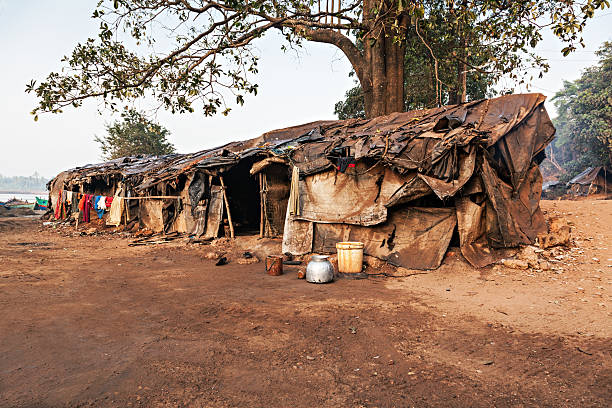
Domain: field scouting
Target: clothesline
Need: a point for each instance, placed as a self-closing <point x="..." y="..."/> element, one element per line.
<point x="146" y="198"/>
<point x="71" y="201"/>
<point x="140" y="198"/>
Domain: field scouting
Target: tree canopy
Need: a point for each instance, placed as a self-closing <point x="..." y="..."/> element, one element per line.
<point x="584" y="123"/>
<point x="442" y="76"/>
<point x="133" y="135"/>
<point x="190" y="53"/>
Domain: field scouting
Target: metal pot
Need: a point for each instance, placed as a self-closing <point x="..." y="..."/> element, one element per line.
<point x="319" y="270"/>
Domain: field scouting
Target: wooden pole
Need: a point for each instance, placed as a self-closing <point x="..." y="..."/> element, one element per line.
<point x="229" y="214"/>
<point x="125" y="213"/>
<point x="127" y="205"/>
<point x="261" y="207"/>
<point x="265" y="205"/>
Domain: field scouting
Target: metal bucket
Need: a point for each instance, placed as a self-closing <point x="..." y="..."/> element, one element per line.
<point x="274" y="265"/>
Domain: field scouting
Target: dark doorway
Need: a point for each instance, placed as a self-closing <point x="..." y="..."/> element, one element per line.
<point x="243" y="195"/>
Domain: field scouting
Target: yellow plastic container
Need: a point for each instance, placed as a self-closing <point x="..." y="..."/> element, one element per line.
<point x="350" y="257"/>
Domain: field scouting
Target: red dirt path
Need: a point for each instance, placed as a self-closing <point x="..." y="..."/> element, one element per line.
<point x="89" y="321"/>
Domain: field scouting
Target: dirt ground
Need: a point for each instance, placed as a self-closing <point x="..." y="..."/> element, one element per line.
<point x="90" y="321"/>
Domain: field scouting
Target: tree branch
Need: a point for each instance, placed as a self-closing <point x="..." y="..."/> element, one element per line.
<point x="341" y="41"/>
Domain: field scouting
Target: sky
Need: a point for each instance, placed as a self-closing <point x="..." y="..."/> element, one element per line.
<point x="293" y="88"/>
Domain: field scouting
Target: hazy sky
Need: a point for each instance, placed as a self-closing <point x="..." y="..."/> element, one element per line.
<point x="35" y="34"/>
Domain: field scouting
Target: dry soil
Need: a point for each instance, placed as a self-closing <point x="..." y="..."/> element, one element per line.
<point x="89" y="321"/>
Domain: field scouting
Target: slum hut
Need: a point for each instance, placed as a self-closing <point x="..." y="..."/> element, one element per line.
<point x="593" y="180"/>
<point x="553" y="189"/>
<point x="407" y="185"/>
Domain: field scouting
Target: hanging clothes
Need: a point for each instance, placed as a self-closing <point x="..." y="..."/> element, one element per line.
<point x="101" y="204"/>
<point x="68" y="203"/>
<point x="75" y="203"/>
<point x="87" y="204"/>
<point x="97" y="205"/>
<point x="82" y="203"/>
<point x="94" y="202"/>
<point x="64" y="204"/>
<point x="58" y="205"/>
<point x="109" y="201"/>
<point x="116" y="209"/>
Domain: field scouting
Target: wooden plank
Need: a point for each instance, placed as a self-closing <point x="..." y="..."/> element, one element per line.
<point x="261" y="207"/>
<point x="229" y="214"/>
<point x="215" y="212"/>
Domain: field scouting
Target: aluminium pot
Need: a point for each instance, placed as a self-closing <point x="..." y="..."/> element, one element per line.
<point x="319" y="270"/>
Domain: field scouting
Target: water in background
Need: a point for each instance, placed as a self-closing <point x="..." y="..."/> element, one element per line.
<point x="22" y="196"/>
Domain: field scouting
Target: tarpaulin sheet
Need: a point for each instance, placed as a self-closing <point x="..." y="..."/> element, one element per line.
<point x="215" y="212"/>
<point x="519" y="147"/>
<point x="513" y="218"/>
<point x="445" y="189"/>
<point x="351" y="198"/>
<point x="412" y="237"/>
<point x="150" y="214"/>
<point x="297" y="237"/>
<point x="472" y="232"/>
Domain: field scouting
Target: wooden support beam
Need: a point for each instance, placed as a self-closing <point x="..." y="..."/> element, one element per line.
<point x="127" y="205"/>
<point x="261" y="207"/>
<point x="229" y="214"/>
<point x="267" y="228"/>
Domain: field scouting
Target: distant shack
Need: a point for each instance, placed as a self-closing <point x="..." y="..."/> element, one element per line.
<point x="593" y="180"/>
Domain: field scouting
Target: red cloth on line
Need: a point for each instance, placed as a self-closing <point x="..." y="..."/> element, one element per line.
<point x="109" y="201"/>
<point x="58" y="206"/>
<point x="87" y="205"/>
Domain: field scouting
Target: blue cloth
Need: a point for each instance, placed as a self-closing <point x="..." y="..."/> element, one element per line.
<point x="98" y="210"/>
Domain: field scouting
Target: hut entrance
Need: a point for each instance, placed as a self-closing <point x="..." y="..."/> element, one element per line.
<point x="275" y="184"/>
<point x="242" y="191"/>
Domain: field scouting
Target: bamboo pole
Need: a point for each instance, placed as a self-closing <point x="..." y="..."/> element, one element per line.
<point x="261" y="207"/>
<point x="125" y="215"/>
<point x="265" y="205"/>
<point x="229" y="214"/>
<point x="127" y="206"/>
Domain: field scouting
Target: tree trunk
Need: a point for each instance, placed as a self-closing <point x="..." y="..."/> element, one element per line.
<point x="387" y="80"/>
<point x="383" y="84"/>
<point x="460" y="93"/>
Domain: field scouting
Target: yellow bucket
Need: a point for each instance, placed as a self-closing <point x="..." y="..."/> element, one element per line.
<point x="350" y="257"/>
